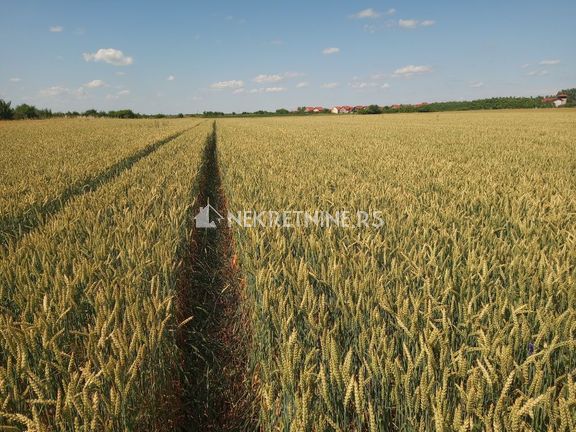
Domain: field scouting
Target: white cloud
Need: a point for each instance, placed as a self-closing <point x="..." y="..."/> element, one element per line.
<point x="265" y="90"/>
<point x="56" y="29"/>
<point x="427" y="23"/>
<point x="58" y="91"/>
<point x="238" y="91"/>
<point x="232" y="84"/>
<point x="365" y="13"/>
<point x="550" y="62"/>
<point x="364" y="85"/>
<point x="95" y="84"/>
<point x="274" y="89"/>
<point x="54" y="91"/>
<point x="476" y="84"/>
<point x="412" y="23"/>
<point x="361" y="85"/>
<point x="262" y="78"/>
<point x="302" y="84"/>
<point x="293" y="74"/>
<point x="118" y="95"/>
<point x="538" y="72"/>
<point x="109" y="55"/>
<point x="375" y="27"/>
<point x="329" y="51"/>
<point x="330" y="85"/>
<point x="409" y="23"/>
<point x="272" y="78"/>
<point x="121" y="73"/>
<point x="526" y="65"/>
<point x="410" y="70"/>
<point x="15" y="80"/>
<point x="171" y="78"/>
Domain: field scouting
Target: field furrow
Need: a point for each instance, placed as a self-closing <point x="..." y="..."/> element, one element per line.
<point x="32" y="190"/>
<point x="214" y="339"/>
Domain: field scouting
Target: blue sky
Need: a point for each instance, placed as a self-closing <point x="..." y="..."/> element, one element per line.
<point x="184" y="56"/>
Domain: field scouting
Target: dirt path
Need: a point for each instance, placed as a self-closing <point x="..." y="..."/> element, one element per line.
<point x="213" y="341"/>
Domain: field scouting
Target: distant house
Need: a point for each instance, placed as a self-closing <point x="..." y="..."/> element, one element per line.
<point x="558" y="100"/>
<point x="421" y="104"/>
<point x="359" y="108"/>
<point x="342" y="109"/>
<point x="397" y="106"/>
<point x="314" y="109"/>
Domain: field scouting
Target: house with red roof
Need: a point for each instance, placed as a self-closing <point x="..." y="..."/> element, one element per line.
<point x="558" y="100"/>
<point x="314" y="109"/>
<point x="342" y="109"/>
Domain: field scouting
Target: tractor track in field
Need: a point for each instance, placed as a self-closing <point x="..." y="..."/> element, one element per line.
<point x="19" y="227"/>
<point x="214" y="395"/>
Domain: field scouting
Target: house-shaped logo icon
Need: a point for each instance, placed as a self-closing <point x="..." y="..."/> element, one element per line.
<point x="203" y="217"/>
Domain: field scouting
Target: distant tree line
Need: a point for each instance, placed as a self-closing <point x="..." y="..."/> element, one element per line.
<point x="478" y="104"/>
<point x="259" y="113"/>
<point x="25" y="111"/>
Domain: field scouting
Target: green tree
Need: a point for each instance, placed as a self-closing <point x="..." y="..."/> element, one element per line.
<point x="26" y="111"/>
<point x="571" y="93"/>
<point x="44" y="113"/>
<point x="6" y="111"/>
<point x="125" y="113"/>
<point x="372" y="109"/>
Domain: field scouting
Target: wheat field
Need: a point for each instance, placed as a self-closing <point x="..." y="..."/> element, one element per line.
<point x="456" y="313"/>
<point x="87" y="300"/>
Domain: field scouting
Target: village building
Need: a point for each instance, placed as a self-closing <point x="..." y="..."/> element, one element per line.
<point x="314" y="109"/>
<point x="558" y="100"/>
<point x="342" y="109"/>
